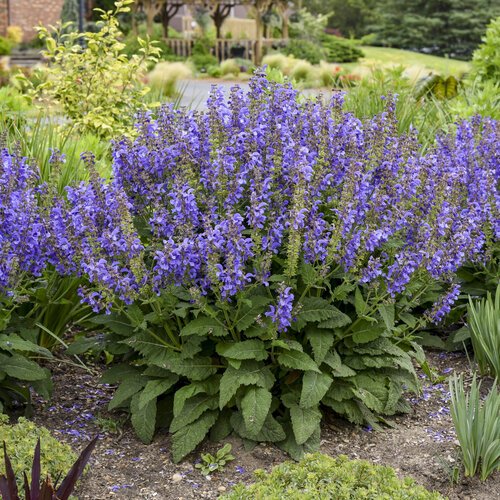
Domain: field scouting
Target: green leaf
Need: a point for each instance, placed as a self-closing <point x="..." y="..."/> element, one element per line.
<point x="298" y="361"/>
<point x="304" y="422"/>
<point x="192" y="409"/>
<point x="118" y="373"/>
<point x="143" y="419"/>
<point x="22" y="368"/>
<point x="128" y="388"/>
<point x="340" y="390"/>
<point x="249" y="373"/>
<point x="249" y="313"/>
<point x="186" y="439"/>
<point x="247" y="349"/>
<point x="203" y="325"/>
<point x="359" y="303"/>
<point x="320" y="341"/>
<point x="365" y="332"/>
<point x="222" y="428"/>
<point x="155" y="388"/>
<point x="13" y="342"/>
<point x="408" y="318"/>
<point x="297" y="451"/>
<point x="317" y="309"/>
<point x="314" y="387"/>
<point x="337" y="321"/>
<point x="343" y="371"/>
<point x="83" y="344"/>
<point x="255" y="406"/>
<point x="332" y="359"/>
<point x="271" y="431"/>
<point x="196" y="368"/>
<point x="208" y="386"/>
<point x="387" y="313"/>
<point x="116" y="323"/>
<point x="308" y="273"/>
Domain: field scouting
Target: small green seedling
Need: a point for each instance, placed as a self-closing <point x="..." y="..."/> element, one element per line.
<point x="209" y="463"/>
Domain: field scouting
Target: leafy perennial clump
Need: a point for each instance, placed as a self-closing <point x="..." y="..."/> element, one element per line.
<point x="271" y="256"/>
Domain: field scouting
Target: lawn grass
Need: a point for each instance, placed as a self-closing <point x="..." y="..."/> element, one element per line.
<point x="421" y="63"/>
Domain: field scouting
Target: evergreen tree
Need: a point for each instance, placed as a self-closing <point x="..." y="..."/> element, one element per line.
<point x="442" y="27"/>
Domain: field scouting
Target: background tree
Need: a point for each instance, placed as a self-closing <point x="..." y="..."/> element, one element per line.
<point x="283" y="7"/>
<point x="442" y="27"/>
<point x="167" y="13"/>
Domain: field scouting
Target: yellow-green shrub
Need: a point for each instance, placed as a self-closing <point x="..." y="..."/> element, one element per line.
<point x="21" y="439"/>
<point x="229" y="66"/>
<point x="320" y="476"/>
<point x="98" y="89"/>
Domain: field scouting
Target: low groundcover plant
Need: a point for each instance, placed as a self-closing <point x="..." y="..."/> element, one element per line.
<point x="320" y="476"/>
<point x="262" y="260"/>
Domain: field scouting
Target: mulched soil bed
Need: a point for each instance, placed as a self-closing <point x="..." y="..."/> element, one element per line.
<point x="124" y="468"/>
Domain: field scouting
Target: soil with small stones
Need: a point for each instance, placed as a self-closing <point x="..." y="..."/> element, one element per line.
<point x="125" y="468"/>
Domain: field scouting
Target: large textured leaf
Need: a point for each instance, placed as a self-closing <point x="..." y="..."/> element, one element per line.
<point x="304" y="422"/>
<point x="118" y="373"/>
<point x="196" y="368"/>
<point x="320" y="341"/>
<point x="249" y="373"/>
<point x="193" y="408"/>
<point x="203" y="325"/>
<point x="128" y="388"/>
<point x="248" y="313"/>
<point x="222" y="428"/>
<point x="114" y="322"/>
<point x="209" y="386"/>
<point x="155" y="388"/>
<point x="348" y="408"/>
<point x="13" y="342"/>
<point x="143" y="419"/>
<point x="247" y="349"/>
<point x="22" y="368"/>
<point x="255" y="406"/>
<point x="186" y="439"/>
<point x="359" y="303"/>
<point x="298" y="361"/>
<point x="387" y="312"/>
<point x="272" y="431"/>
<point x="337" y="321"/>
<point x="314" y="387"/>
<point x="297" y="451"/>
<point x="317" y="309"/>
<point x="365" y="332"/>
<point x="340" y="390"/>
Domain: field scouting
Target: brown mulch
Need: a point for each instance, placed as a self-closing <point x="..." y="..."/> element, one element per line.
<point x="125" y="468"/>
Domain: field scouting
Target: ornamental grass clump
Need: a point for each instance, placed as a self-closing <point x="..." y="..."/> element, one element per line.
<point x="477" y="424"/>
<point x="484" y="327"/>
<point x="270" y="257"/>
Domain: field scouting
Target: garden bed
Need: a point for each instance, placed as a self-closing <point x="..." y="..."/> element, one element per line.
<point x="123" y="467"/>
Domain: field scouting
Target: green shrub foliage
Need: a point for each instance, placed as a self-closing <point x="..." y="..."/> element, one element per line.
<point x="21" y="439"/>
<point x="340" y="50"/>
<point x="320" y="477"/>
<point x="305" y="49"/>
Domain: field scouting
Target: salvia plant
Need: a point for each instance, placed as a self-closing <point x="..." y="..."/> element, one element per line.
<point x="484" y="327"/>
<point x="46" y="490"/>
<point x="477" y="425"/>
<point x="264" y="259"/>
<point x="209" y="464"/>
